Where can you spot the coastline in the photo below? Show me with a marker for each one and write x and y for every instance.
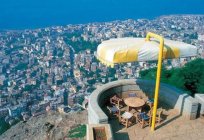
(95, 22)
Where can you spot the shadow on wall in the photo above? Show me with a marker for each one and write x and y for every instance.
(118, 135)
(176, 117)
(169, 97)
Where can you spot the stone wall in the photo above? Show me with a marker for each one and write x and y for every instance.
(172, 96)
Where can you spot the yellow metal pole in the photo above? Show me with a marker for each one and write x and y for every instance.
(159, 66)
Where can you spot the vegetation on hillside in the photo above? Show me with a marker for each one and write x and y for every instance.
(80, 44)
(3, 126)
(78, 132)
(189, 78)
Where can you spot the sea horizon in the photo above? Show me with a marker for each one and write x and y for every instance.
(55, 25)
(40, 14)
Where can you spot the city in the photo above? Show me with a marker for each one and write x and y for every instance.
(55, 68)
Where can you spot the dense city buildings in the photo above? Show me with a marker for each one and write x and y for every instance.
(55, 68)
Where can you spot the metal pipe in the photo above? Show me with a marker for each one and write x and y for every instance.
(159, 66)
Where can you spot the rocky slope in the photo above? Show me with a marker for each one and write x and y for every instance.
(51, 126)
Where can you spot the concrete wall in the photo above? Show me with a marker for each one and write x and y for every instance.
(90, 133)
(200, 99)
(172, 96)
(188, 106)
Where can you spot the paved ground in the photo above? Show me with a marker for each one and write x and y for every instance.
(174, 127)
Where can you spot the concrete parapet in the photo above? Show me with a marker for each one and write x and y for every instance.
(172, 96)
(188, 106)
(200, 98)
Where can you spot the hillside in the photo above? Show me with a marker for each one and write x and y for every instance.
(52, 126)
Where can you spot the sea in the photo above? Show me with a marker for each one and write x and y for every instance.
(30, 14)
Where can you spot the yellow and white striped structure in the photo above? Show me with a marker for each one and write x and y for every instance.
(123, 50)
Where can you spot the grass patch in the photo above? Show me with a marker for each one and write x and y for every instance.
(78, 132)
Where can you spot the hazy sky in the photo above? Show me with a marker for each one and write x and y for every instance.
(33, 13)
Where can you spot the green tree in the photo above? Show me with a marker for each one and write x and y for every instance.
(3, 126)
(21, 66)
(189, 78)
(28, 88)
(192, 73)
(91, 81)
(59, 82)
